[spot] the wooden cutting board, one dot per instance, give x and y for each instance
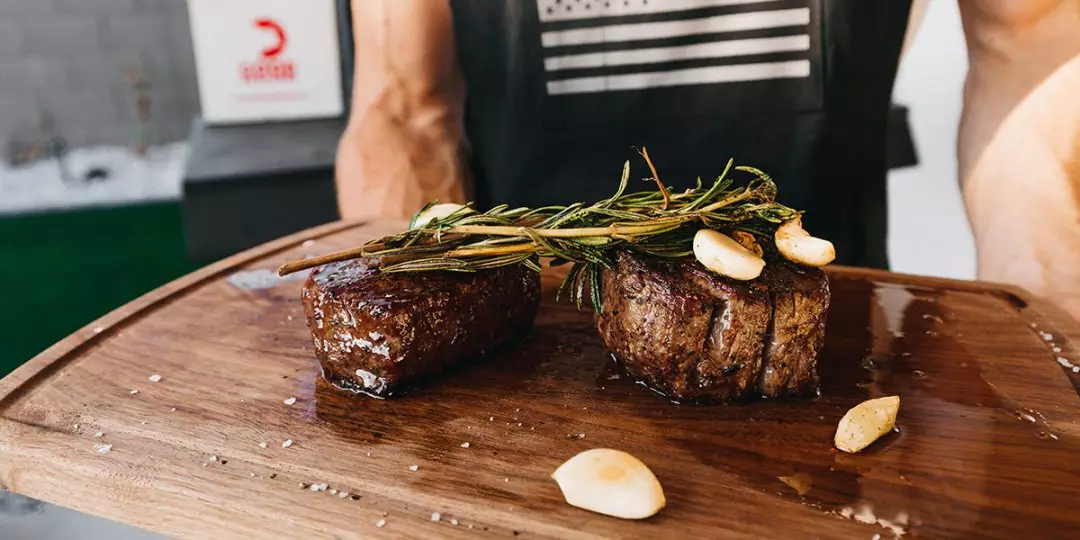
(988, 443)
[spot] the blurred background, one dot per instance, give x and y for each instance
(141, 139)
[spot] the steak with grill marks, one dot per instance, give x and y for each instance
(694, 335)
(378, 332)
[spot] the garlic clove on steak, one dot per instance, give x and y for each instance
(435, 211)
(796, 245)
(866, 423)
(610, 482)
(723, 255)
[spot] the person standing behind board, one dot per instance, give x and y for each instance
(533, 102)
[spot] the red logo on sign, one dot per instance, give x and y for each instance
(270, 67)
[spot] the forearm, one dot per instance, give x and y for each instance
(1019, 147)
(390, 166)
(405, 143)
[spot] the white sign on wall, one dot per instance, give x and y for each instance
(264, 60)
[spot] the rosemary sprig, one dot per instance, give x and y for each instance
(661, 223)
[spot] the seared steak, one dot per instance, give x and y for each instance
(694, 335)
(376, 332)
(800, 299)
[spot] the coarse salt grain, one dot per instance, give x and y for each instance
(308, 243)
(173, 409)
(76, 427)
(491, 419)
(333, 492)
(1056, 349)
(290, 401)
(103, 448)
(98, 329)
(213, 458)
(453, 522)
(381, 523)
(1076, 369)
(286, 444)
(507, 480)
(414, 468)
(435, 516)
(155, 378)
(465, 445)
(133, 392)
(252, 475)
(343, 494)
(99, 434)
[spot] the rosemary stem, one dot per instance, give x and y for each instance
(343, 255)
(494, 250)
(617, 228)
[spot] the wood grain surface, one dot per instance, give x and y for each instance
(988, 443)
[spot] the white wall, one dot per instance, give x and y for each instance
(929, 233)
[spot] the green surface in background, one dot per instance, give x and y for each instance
(60, 271)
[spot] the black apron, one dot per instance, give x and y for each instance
(560, 92)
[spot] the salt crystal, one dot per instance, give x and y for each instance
(308, 243)
(155, 378)
(519, 424)
(213, 458)
(98, 329)
(103, 448)
(262, 445)
(453, 522)
(252, 475)
(76, 427)
(517, 410)
(381, 523)
(290, 317)
(464, 445)
(343, 494)
(491, 419)
(143, 423)
(414, 468)
(173, 409)
(1056, 349)
(286, 444)
(435, 516)
(1076, 369)
(290, 401)
(99, 434)
(333, 492)
(507, 480)
(133, 392)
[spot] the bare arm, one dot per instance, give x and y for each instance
(404, 144)
(1019, 143)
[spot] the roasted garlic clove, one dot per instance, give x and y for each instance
(435, 211)
(723, 255)
(797, 246)
(865, 423)
(610, 482)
